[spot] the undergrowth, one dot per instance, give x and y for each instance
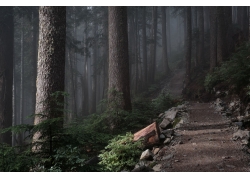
(68, 148)
(234, 72)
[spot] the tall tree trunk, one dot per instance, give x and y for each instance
(85, 75)
(153, 46)
(196, 39)
(51, 65)
(35, 26)
(245, 26)
(201, 37)
(21, 110)
(136, 50)
(94, 75)
(144, 46)
(6, 70)
(228, 30)
(221, 35)
(188, 45)
(213, 38)
(119, 88)
(164, 41)
(169, 45)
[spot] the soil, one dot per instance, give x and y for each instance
(205, 144)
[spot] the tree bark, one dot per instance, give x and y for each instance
(119, 87)
(51, 64)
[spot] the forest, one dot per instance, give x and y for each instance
(77, 82)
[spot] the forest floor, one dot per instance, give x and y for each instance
(205, 141)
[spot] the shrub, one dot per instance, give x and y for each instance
(121, 153)
(235, 72)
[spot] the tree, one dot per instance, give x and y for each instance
(119, 88)
(6, 70)
(201, 37)
(213, 38)
(188, 45)
(51, 63)
(152, 67)
(144, 46)
(164, 41)
(221, 35)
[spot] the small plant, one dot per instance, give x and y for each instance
(121, 153)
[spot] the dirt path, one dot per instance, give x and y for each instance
(175, 85)
(205, 144)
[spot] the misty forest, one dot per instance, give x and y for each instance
(124, 89)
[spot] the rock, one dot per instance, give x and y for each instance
(171, 113)
(156, 150)
(167, 157)
(162, 136)
(167, 141)
(241, 134)
(147, 155)
(239, 124)
(157, 167)
(244, 142)
(161, 115)
(165, 123)
(168, 132)
(150, 135)
(181, 107)
(177, 135)
(176, 160)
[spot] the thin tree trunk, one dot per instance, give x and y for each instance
(94, 75)
(164, 41)
(153, 46)
(136, 50)
(20, 136)
(169, 45)
(213, 38)
(188, 45)
(144, 46)
(221, 35)
(201, 37)
(196, 39)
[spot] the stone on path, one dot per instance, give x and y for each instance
(147, 155)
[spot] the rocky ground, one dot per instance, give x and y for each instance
(199, 137)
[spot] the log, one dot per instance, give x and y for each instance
(150, 135)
